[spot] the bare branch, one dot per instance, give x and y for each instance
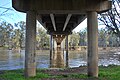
(6, 8)
(112, 18)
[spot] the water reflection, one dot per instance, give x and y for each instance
(10, 60)
(14, 60)
(58, 60)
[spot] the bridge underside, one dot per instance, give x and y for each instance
(60, 23)
(59, 18)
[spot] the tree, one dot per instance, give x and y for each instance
(103, 36)
(112, 18)
(21, 28)
(83, 37)
(5, 34)
(16, 39)
(42, 38)
(74, 39)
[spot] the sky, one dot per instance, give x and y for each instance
(12, 16)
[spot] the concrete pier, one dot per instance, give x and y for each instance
(67, 57)
(51, 48)
(92, 30)
(30, 55)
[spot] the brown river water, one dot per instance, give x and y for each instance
(10, 60)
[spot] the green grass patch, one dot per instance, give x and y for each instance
(105, 73)
(19, 75)
(110, 73)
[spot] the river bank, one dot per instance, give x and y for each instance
(78, 73)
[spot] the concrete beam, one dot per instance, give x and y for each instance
(58, 33)
(53, 21)
(61, 6)
(105, 6)
(66, 22)
(59, 38)
(40, 21)
(82, 18)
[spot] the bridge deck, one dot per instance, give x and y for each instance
(61, 16)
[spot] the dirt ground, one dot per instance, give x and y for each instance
(78, 70)
(65, 73)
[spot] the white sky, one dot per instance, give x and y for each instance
(83, 25)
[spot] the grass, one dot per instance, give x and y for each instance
(105, 73)
(18, 75)
(110, 73)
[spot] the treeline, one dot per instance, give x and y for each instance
(105, 38)
(13, 37)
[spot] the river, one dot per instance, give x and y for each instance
(10, 60)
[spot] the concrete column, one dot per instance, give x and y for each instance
(92, 44)
(67, 57)
(51, 47)
(63, 47)
(30, 63)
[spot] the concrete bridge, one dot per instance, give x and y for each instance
(59, 18)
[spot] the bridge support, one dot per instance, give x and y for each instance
(67, 57)
(51, 48)
(30, 63)
(53, 45)
(92, 44)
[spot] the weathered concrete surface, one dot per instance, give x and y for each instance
(30, 63)
(61, 6)
(58, 38)
(61, 16)
(67, 55)
(51, 47)
(92, 30)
